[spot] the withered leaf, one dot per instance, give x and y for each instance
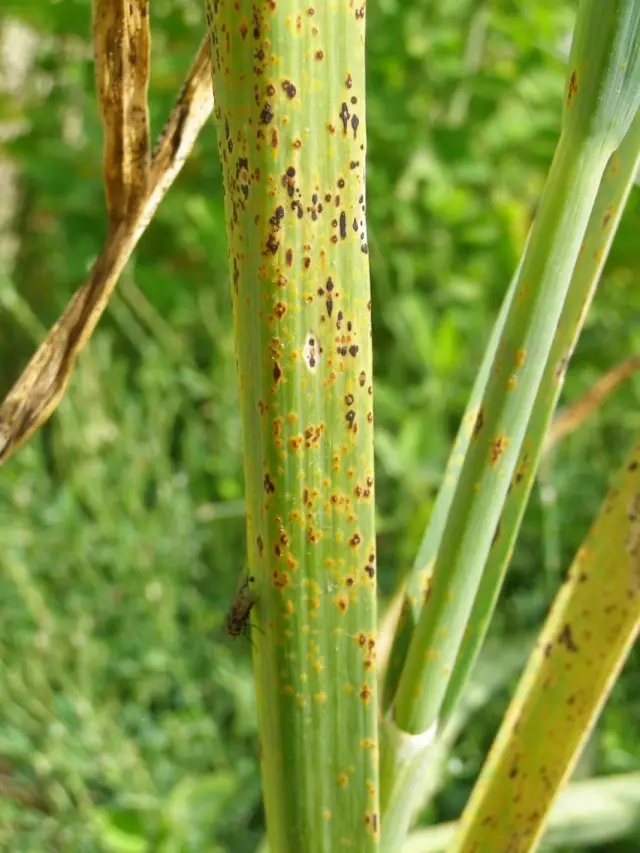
(40, 387)
(121, 43)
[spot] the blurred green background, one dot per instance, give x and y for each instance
(127, 717)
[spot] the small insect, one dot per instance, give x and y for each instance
(240, 610)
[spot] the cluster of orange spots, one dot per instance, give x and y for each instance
(280, 580)
(364, 492)
(314, 534)
(498, 447)
(280, 309)
(312, 435)
(310, 498)
(331, 378)
(296, 442)
(367, 643)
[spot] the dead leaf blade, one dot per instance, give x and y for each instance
(42, 384)
(121, 45)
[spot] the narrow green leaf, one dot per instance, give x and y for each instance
(588, 813)
(581, 649)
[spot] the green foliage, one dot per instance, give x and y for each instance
(122, 705)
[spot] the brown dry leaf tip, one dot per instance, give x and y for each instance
(572, 417)
(39, 389)
(121, 43)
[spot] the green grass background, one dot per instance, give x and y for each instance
(127, 717)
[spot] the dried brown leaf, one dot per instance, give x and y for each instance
(42, 383)
(121, 42)
(572, 417)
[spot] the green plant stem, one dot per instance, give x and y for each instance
(603, 93)
(499, 431)
(289, 85)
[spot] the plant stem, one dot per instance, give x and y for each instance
(289, 84)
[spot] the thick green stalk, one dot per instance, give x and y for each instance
(583, 645)
(289, 85)
(603, 94)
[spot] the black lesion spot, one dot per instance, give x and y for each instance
(266, 116)
(565, 638)
(345, 115)
(289, 88)
(272, 245)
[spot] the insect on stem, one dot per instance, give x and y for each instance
(240, 610)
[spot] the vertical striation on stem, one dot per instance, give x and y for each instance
(289, 85)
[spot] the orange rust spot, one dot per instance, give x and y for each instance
(521, 357)
(281, 580)
(512, 382)
(342, 603)
(295, 443)
(498, 447)
(314, 535)
(343, 780)
(366, 694)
